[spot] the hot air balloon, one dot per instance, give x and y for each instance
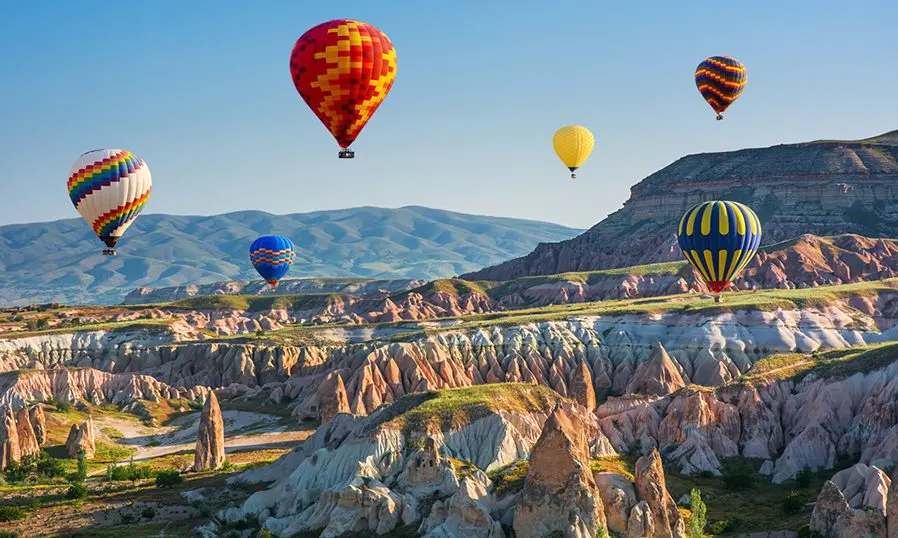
(343, 69)
(272, 256)
(720, 80)
(109, 188)
(573, 144)
(719, 239)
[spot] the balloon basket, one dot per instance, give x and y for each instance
(346, 154)
(718, 298)
(719, 117)
(109, 252)
(573, 176)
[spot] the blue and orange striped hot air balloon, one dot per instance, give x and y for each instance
(719, 239)
(720, 80)
(272, 256)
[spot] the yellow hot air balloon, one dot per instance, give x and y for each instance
(573, 144)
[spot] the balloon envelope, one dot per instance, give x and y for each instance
(343, 69)
(272, 256)
(573, 144)
(109, 188)
(720, 80)
(719, 239)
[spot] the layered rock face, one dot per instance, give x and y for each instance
(209, 437)
(560, 494)
(823, 188)
(707, 349)
(93, 386)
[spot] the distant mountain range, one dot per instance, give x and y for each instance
(61, 261)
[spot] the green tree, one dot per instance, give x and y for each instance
(81, 473)
(697, 521)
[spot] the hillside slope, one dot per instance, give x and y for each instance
(825, 187)
(61, 261)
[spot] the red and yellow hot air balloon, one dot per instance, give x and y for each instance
(343, 69)
(720, 80)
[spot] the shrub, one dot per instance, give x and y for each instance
(695, 527)
(76, 491)
(706, 474)
(803, 478)
(49, 467)
(11, 513)
(167, 479)
(148, 513)
(227, 466)
(719, 527)
(19, 471)
(264, 533)
(738, 479)
(792, 503)
(63, 407)
(9, 534)
(132, 472)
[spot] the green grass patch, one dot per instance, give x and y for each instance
(614, 464)
(107, 453)
(509, 479)
(445, 409)
(112, 433)
(255, 303)
(761, 506)
(834, 363)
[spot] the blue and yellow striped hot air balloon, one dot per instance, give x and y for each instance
(719, 238)
(720, 80)
(272, 256)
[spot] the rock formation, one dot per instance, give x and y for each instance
(9, 438)
(320, 486)
(560, 493)
(38, 423)
(618, 499)
(581, 388)
(464, 515)
(82, 438)
(853, 504)
(332, 395)
(651, 487)
(658, 376)
(824, 188)
(28, 445)
(210, 437)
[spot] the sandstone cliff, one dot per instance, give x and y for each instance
(823, 188)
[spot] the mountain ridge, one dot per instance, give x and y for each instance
(823, 188)
(60, 261)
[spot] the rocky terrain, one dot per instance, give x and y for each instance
(821, 188)
(357, 287)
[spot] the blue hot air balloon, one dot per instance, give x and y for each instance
(272, 256)
(719, 239)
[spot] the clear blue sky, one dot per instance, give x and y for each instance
(201, 90)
